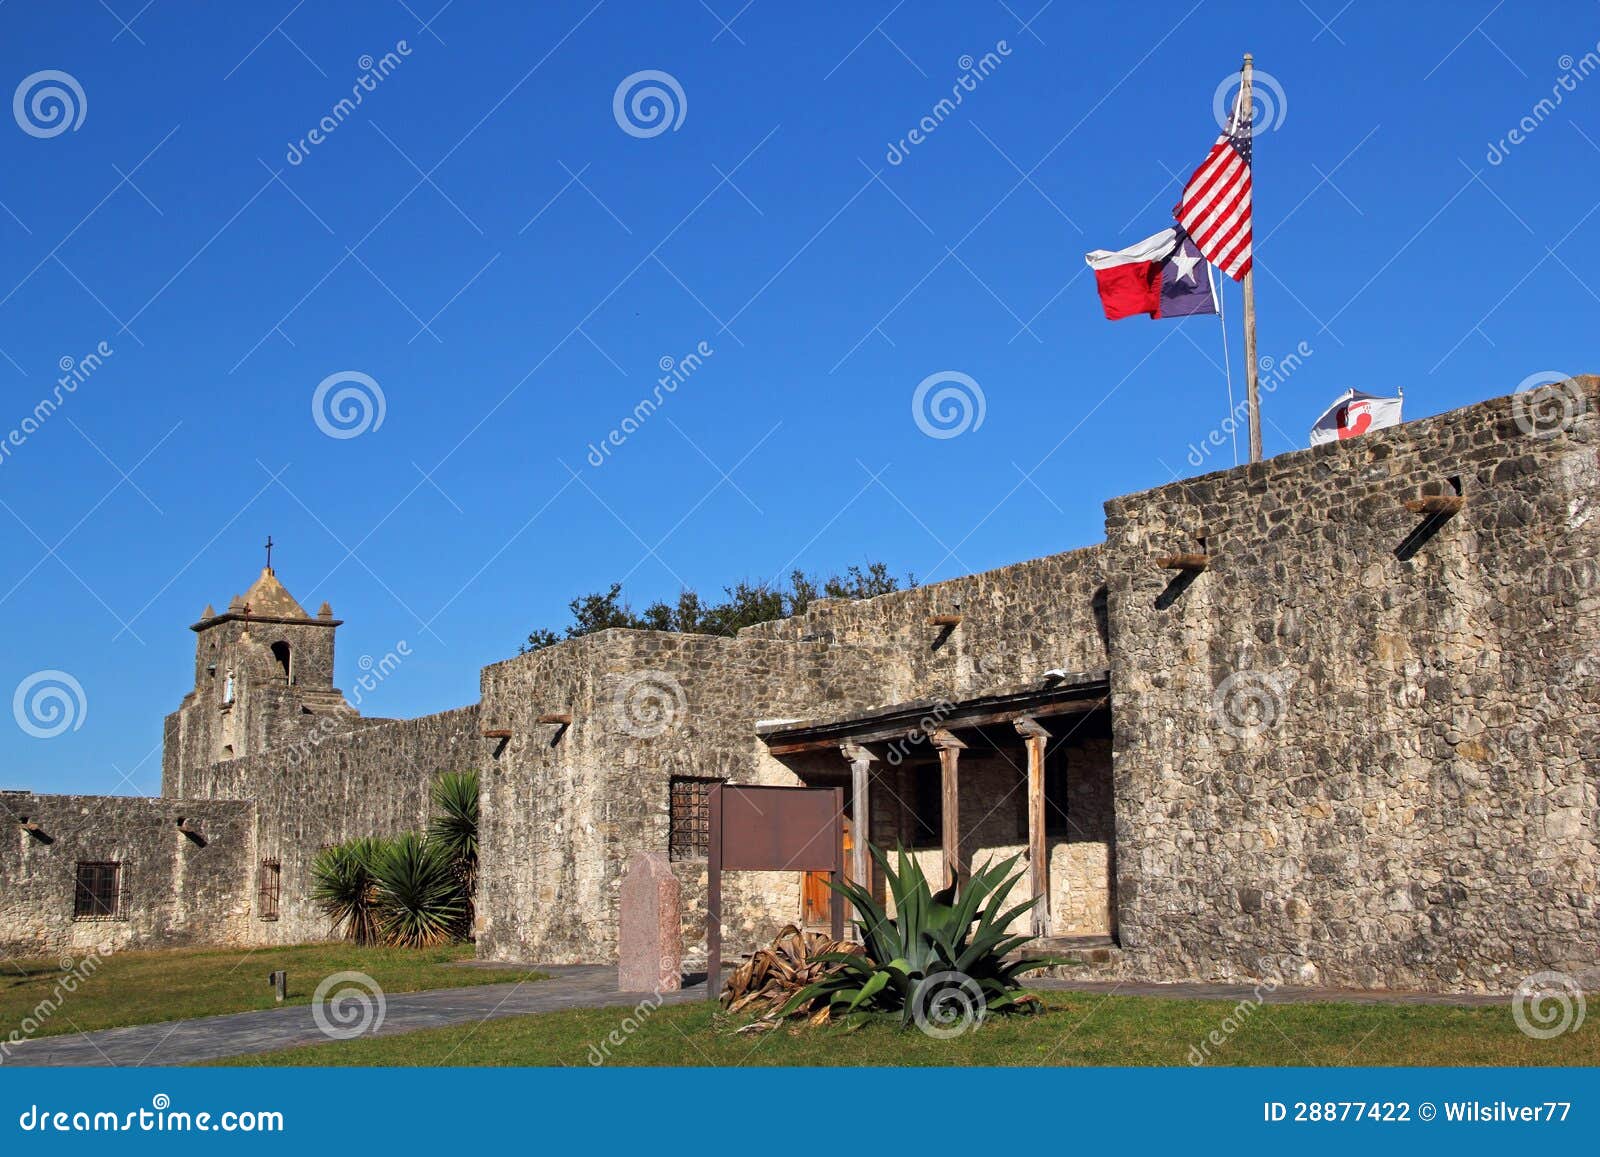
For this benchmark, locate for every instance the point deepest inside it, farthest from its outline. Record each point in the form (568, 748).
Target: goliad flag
(1355, 413)
(1215, 208)
(1163, 276)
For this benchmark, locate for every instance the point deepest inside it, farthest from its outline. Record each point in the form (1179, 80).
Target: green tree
(744, 604)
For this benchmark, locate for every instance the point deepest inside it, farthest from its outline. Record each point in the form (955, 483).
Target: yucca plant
(454, 828)
(344, 886)
(952, 943)
(419, 901)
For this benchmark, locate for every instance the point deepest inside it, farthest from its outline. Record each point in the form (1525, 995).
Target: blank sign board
(770, 829)
(779, 829)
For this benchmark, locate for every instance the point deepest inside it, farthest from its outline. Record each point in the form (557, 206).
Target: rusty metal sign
(770, 829)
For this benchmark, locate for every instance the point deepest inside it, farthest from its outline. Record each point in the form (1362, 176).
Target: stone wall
(1347, 753)
(371, 781)
(1017, 622)
(566, 808)
(1341, 766)
(176, 890)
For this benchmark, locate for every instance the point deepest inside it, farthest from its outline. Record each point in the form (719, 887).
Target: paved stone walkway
(209, 1038)
(1284, 994)
(570, 986)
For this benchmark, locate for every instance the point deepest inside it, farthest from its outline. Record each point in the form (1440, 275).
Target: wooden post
(1250, 368)
(860, 816)
(714, 897)
(1036, 737)
(950, 749)
(836, 904)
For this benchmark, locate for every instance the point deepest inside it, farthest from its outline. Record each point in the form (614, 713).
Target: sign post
(770, 829)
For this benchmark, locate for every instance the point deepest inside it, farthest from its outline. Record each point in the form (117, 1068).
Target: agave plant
(941, 953)
(773, 975)
(419, 901)
(344, 886)
(455, 829)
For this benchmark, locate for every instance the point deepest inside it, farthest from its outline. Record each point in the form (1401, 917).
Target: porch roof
(1077, 691)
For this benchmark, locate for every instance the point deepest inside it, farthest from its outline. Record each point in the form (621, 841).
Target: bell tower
(263, 679)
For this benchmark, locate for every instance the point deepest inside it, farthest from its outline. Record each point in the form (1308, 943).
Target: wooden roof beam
(905, 730)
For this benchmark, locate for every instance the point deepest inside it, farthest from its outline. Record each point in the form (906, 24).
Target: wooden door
(816, 897)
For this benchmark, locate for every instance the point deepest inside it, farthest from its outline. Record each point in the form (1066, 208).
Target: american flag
(1215, 209)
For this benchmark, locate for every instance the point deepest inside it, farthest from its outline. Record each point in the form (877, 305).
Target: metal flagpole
(1227, 362)
(1250, 368)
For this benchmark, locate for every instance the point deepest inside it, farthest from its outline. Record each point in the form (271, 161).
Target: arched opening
(281, 652)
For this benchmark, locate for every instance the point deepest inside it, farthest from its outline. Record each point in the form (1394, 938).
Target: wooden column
(860, 774)
(950, 749)
(1036, 737)
(836, 901)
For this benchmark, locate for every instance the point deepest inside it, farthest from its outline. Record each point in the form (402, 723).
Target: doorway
(815, 895)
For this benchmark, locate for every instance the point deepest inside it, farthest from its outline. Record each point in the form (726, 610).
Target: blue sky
(486, 241)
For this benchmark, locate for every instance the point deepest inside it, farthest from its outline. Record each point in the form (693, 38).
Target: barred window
(690, 837)
(97, 892)
(269, 887)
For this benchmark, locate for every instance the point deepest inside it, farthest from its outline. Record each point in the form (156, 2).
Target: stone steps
(1084, 957)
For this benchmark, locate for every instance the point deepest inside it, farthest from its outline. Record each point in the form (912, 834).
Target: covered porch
(962, 783)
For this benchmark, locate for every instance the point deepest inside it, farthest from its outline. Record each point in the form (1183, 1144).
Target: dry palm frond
(773, 975)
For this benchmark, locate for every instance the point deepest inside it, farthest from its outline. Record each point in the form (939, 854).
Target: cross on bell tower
(269, 552)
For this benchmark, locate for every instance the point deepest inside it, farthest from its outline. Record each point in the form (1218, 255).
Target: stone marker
(650, 941)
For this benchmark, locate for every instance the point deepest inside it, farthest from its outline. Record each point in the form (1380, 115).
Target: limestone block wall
(1017, 623)
(566, 808)
(175, 892)
(1340, 766)
(370, 781)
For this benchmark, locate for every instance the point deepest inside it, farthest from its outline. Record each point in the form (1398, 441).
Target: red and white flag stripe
(1215, 209)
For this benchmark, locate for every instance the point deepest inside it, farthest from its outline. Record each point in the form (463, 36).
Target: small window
(927, 807)
(97, 894)
(285, 660)
(269, 887)
(690, 836)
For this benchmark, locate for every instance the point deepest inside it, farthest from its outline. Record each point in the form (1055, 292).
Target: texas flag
(1355, 413)
(1163, 276)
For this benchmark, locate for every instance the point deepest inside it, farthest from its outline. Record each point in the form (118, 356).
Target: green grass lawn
(1077, 1029)
(145, 987)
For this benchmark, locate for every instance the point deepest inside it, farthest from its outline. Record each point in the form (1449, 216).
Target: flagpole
(1250, 368)
(1227, 362)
